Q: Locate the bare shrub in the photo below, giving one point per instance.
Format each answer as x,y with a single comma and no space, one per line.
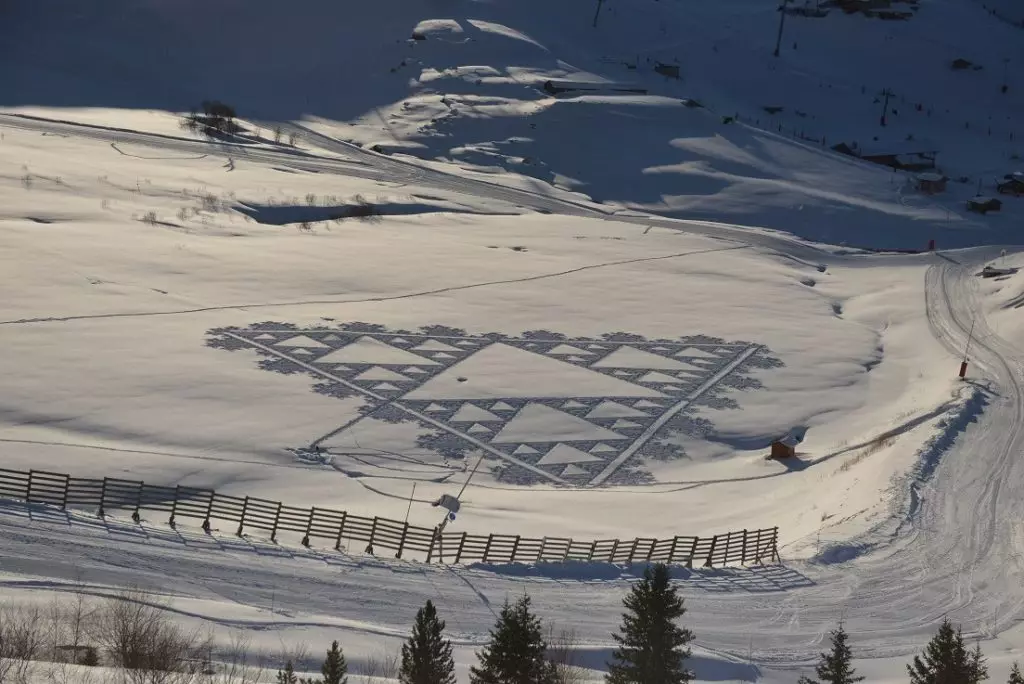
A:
68,624
563,651
138,637
22,642
363,209
237,663
383,665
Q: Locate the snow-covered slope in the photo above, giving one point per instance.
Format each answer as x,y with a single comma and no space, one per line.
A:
470,93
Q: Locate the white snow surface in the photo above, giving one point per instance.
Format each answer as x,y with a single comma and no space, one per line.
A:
512,218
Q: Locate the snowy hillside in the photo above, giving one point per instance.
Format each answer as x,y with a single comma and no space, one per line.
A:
590,309
470,92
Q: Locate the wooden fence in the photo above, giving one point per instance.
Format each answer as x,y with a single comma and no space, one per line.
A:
251,514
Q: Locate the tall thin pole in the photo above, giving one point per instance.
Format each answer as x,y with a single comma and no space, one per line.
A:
885,105
782,23
598,12
410,502
970,336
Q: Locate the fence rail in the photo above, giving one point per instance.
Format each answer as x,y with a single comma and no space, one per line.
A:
251,514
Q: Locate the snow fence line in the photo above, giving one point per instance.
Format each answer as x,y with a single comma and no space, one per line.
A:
249,513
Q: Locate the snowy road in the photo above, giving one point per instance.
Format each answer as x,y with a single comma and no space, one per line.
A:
959,554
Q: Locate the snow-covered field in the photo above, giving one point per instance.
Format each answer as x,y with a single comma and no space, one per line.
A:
615,300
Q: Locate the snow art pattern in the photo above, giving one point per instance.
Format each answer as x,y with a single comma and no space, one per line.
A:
544,408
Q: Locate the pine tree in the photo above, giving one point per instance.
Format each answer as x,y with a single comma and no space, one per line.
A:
1015,676
946,660
287,675
834,667
427,656
335,668
652,647
516,651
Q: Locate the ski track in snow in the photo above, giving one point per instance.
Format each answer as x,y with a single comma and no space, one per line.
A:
959,556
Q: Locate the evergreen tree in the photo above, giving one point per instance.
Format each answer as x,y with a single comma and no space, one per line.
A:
427,656
834,667
334,669
1015,676
516,652
287,675
945,660
652,647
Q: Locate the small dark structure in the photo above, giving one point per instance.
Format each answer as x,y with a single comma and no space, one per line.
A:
983,205
960,64
931,183
1012,184
579,87
785,447
667,70
903,155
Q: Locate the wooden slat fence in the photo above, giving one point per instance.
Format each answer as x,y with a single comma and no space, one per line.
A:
347,531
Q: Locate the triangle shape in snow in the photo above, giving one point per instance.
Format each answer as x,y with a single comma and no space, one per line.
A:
477,429
631,357
613,409
369,350
386,387
523,450
301,341
412,370
568,350
660,349
688,375
341,369
577,359
400,340
378,373
502,406
468,413
434,345
571,470
695,353
625,424
540,423
301,352
500,371
265,337
643,403
603,449
435,408
596,347
563,453
659,377
465,343
670,388
332,338
573,405
442,355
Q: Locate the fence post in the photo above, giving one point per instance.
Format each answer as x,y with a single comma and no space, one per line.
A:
672,550
775,544
174,507
593,550
64,501
743,553
309,527
650,551
568,547
430,551
401,542
458,554
28,489
341,531
693,552
515,549
136,515
245,511
543,545
373,534
209,512
632,550
103,498
711,552
487,549
615,550
277,520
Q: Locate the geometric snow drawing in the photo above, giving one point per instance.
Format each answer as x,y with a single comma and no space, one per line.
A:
542,407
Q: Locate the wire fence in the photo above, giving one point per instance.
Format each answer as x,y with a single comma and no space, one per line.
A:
251,515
